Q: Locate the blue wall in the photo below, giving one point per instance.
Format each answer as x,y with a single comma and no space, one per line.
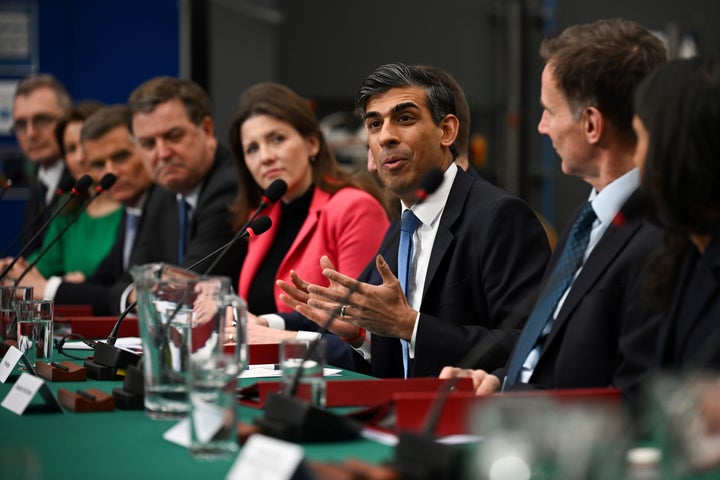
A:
100,50
104,49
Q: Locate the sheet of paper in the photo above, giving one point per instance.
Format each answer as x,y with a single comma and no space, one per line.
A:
256,371
132,343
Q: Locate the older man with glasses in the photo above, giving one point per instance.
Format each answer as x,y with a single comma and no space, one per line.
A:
40,101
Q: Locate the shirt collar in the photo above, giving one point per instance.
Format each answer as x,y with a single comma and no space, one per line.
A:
192,197
50,176
137,210
609,200
429,211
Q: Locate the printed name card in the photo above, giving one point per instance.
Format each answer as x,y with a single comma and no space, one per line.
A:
266,458
24,390
7,364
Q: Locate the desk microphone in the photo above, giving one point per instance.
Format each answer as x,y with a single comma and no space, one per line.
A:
81,186
111,357
107,181
419,455
65,186
6,186
288,418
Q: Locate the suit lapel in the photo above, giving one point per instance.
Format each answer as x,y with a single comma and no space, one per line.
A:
450,215
602,256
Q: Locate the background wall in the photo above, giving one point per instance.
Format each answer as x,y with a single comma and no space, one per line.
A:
324,48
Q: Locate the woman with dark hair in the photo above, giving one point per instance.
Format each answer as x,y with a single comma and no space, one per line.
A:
677,121
325,211
89,239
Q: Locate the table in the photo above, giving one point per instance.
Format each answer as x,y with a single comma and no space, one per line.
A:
125,444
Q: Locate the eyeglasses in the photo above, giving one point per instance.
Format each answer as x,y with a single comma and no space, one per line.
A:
39,122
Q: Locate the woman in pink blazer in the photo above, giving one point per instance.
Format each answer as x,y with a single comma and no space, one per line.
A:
326,210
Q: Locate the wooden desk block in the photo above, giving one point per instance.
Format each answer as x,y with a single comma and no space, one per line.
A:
75,372
102,402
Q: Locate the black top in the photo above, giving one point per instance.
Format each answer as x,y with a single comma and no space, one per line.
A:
261,299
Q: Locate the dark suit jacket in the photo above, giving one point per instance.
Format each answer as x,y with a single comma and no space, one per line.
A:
35,204
605,332
156,240
488,255
690,331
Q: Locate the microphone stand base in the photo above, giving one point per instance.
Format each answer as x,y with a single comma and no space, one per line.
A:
420,457
113,356
96,371
293,420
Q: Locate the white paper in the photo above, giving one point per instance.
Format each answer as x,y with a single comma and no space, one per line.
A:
266,458
7,365
132,343
19,397
208,419
179,433
257,371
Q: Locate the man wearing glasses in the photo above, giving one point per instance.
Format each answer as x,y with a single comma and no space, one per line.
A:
40,101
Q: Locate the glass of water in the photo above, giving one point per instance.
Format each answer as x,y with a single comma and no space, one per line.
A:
35,329
9,296
211,386
308,356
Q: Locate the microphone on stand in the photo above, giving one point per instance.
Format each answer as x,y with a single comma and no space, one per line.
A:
81,186
418,455
107,181
108,356
65,186
288,418
6,186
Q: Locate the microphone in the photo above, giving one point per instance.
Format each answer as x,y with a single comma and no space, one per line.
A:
288,418
65,186
6,186
81,186
109,356
430,182
107,181
256,227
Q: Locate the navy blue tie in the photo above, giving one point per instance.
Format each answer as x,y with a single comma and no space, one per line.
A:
560,279
132,220
183,227
408,224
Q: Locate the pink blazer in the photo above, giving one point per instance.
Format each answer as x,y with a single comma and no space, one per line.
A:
347,226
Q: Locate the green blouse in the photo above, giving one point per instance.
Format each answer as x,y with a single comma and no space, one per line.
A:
82,247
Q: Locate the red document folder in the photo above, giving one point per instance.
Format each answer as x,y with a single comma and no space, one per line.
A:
411,408
355,393
100,327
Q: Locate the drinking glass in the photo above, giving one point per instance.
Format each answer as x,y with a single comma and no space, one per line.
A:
293,357
35,329
9,296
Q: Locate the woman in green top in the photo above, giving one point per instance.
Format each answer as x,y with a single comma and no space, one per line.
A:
88,241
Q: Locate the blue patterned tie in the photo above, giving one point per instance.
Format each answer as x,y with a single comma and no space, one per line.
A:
408,224
560,279
183,227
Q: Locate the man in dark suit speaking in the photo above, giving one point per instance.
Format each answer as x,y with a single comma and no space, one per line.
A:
473,251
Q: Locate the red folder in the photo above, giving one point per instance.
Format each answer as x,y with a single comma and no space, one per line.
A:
411,408
72,311
100,327
259,353
355,393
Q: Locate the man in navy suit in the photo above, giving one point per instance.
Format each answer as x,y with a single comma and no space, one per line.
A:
478,251
176,139
601,331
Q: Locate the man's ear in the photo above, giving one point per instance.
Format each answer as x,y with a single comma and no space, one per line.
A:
449,126
593,124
